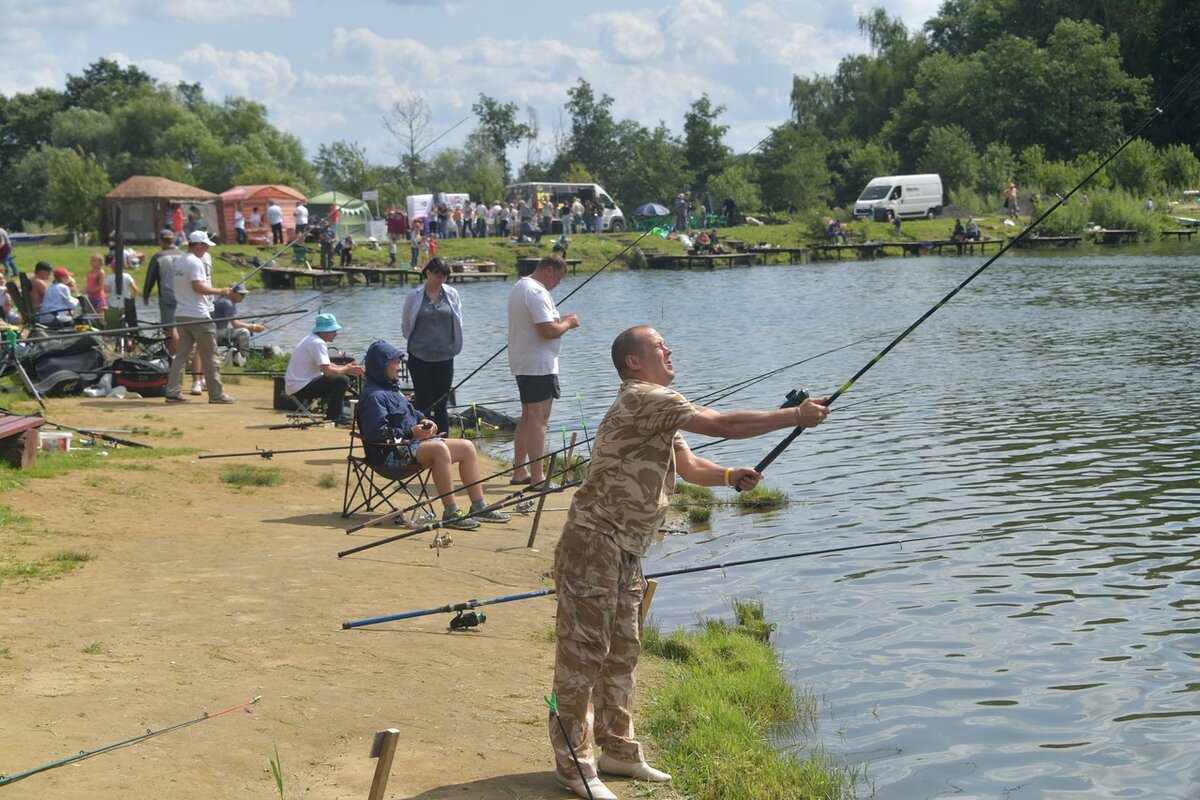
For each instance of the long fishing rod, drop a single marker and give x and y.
(513, 499)
(591, 277)
(7, 779)
(269, 454)
(1021, 237)
(469, 604)
(86, 431)
(59, 337)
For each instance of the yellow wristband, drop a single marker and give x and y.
(728, 472)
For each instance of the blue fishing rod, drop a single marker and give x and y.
(472, 604)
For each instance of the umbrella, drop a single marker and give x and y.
(651, 210)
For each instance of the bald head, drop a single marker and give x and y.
(629, 342)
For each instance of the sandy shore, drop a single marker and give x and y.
(202, 595)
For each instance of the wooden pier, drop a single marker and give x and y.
(1181, 233)
(794, 255)
(381, 275)
(707, 261)
(287, 277)
(1049, 241)
(938, 246)
(526, 264)
(866, 250)
(1114, 236)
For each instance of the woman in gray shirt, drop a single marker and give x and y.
(432, 324)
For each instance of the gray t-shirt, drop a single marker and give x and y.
(432, 337)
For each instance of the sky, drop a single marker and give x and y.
(329, 71)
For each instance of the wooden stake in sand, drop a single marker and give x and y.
(383, 748)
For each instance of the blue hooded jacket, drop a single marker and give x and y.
(384, 414)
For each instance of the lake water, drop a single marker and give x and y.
(1051, 408)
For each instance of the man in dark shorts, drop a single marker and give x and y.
(535, 331)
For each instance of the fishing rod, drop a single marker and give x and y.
(97, 434)
(515, 498)
(141, 737)
(1011, 243)
(269, 454)
(470, 604)
(58, 337)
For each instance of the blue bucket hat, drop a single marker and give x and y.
(326, 323)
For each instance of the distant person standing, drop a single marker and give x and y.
(432, 324)
(161, 272)
(327, 238)
(1011, 199)
(6, 256)
(193, 304)
(301, 214)
(95, 281)
(729, 209)
(275, 218)
(239, 226)
(535, 331)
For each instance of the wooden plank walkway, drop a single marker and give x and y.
(715, 261)
(1047, 241)
(1114, 236)
(1181, 233)
(794, 255)
(937, 246)
(866, 250)
(381, 274)
(287, 277)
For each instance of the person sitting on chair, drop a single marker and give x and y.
(396, 435)
(311, 374)
(972, 231)
(233, 332)
(959, 233)
(59, 305)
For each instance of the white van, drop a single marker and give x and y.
(907, 195)
(559, 193)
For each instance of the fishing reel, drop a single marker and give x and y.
(795, 397)
(468, 621)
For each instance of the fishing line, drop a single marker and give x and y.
(7, 779)
(469, 604)
(1020, 237)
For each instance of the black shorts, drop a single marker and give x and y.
(537, 388)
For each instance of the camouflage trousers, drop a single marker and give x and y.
(598, 641)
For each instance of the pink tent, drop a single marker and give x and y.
(249, 197)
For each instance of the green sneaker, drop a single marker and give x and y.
(493, 515)
(459, 521)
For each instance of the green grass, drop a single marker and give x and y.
(696, 501)
(244, 475)
(327, 480)
(53, 465)
(13, 569)
(724, 701)
(761, 498)
(95, 648)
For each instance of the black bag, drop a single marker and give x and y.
(147, 378)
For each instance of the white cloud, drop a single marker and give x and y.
(231, 11)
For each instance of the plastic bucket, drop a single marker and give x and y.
(54, 441)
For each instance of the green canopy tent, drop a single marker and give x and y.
(352, 213)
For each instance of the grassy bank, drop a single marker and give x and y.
(721, 706)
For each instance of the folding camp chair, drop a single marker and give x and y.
(371, 488)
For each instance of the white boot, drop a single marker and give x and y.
(575, 784)
(640, 770)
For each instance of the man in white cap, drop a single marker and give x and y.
(194, 295)
(311, 374)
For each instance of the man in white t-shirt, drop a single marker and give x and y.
(301, 213)
(193, 319)
(239, 226)
(311, 374)
(275, 217)
(535, 331)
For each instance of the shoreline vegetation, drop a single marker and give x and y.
(720, 708)
(1112, 210)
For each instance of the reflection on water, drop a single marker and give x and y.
(1051, 405)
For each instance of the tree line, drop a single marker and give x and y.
(986, 91)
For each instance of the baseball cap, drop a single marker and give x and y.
(62, 273)
(199, 237)
(240, 289)
(166, 233)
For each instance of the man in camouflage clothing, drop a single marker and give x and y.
(612, 521)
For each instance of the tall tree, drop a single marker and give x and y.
(592, 141)
(77, 185)
(702, 140)
(792, 171)
(344, 166)
(498, 127)
(408, 122)
(105, 85)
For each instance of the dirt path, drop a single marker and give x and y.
(202, 596)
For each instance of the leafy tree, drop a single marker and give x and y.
(1180, 168)
(736, 181)
(592, 138)
(26, 188)
(105, 85)
(472, 169)
(344, 166)
(1135, 169)
(792, 171)
(702, 146)
(76, 187)
(853, 163)
(655, 167)
(997, 166)
(950, 153)
(499, 129)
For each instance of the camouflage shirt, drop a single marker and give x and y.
(631, 476)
